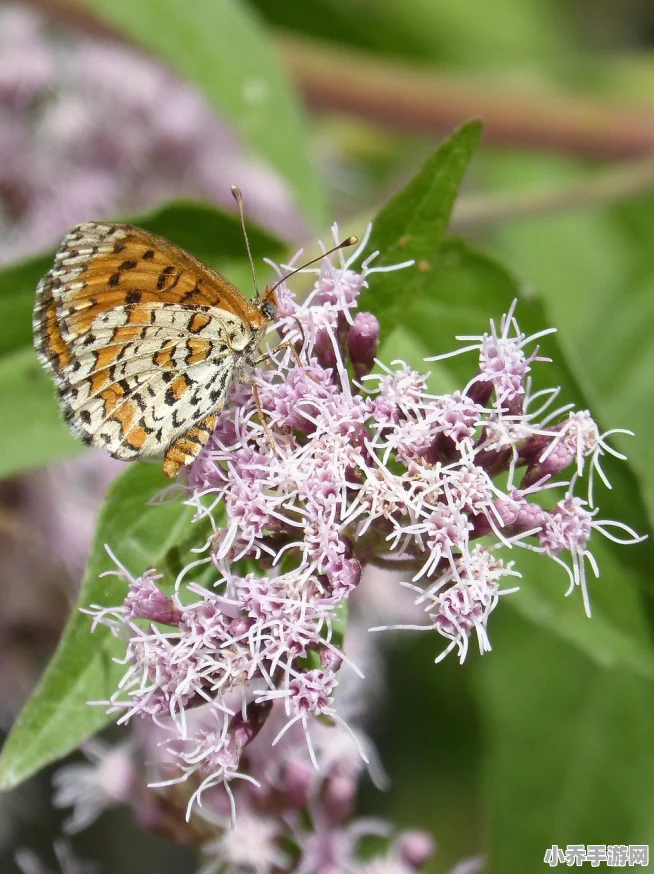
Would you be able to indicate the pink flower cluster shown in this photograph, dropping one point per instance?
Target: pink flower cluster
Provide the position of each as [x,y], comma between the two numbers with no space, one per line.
[335,465]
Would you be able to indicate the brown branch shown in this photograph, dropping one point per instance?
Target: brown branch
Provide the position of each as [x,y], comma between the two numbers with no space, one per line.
[431,102]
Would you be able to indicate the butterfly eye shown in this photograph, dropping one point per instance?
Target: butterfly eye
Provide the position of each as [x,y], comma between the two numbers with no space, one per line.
[268,309]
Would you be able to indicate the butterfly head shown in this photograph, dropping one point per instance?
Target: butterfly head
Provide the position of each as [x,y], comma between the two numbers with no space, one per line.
[267,304]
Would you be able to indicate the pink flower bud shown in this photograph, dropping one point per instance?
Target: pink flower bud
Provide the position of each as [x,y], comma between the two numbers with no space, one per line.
[543,462]
[480,391]
[330,660]
[146,601]
[415,848]
[363,343]
[297,782]
[244,730]
[339,797]
[323,347]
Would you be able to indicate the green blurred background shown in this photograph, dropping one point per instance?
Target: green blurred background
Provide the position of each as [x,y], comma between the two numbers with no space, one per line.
[320,111]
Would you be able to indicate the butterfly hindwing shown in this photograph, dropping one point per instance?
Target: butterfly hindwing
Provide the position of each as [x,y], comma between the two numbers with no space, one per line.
[138,392]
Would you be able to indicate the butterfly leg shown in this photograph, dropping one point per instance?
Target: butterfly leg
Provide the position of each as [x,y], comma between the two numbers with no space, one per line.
[285,345]
[262,417]
[186,447]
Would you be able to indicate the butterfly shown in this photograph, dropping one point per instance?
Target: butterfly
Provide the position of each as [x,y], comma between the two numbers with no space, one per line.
[144,341]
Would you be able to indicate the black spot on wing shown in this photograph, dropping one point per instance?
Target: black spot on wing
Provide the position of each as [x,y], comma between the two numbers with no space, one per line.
[164,276]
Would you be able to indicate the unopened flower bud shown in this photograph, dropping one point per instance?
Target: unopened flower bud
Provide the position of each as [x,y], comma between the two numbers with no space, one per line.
[146,601]
[323,347]
[339,797]
[543,462]
[494,461]
[415,848]
[480,391]
[344,575]
[363,343]
[297,782]
[517,514]
[244,730]
[330,659]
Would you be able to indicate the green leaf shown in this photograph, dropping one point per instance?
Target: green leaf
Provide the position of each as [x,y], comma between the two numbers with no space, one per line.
[412,226]
[569,757]
[214,236]
[463,290]
[57,717]
[34,433]
[616,635]
[27,397]
[220,46]
[17,287]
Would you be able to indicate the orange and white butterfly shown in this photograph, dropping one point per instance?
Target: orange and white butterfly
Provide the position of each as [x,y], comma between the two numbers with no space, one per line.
[144,341]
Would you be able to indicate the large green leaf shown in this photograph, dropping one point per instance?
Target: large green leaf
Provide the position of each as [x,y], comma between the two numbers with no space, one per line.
[220,46]
[569,757]
[412,225]
[210,234]
[37,435]
[57,717]
[463,289]
[34,433]
[17,286]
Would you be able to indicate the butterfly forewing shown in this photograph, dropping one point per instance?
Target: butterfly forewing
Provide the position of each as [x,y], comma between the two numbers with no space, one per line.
[143,340]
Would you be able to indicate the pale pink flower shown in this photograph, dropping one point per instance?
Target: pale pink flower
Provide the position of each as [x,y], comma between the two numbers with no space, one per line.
[106,780]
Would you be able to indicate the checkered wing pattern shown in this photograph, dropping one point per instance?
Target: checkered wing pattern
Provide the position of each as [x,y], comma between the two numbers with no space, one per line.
[142,341]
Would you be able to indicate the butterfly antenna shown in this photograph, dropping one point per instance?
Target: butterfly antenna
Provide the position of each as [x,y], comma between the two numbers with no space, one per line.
[350,241]
[238,197]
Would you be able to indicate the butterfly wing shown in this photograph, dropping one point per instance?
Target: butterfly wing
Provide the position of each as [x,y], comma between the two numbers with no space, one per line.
[142,339]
